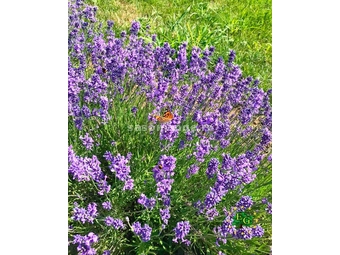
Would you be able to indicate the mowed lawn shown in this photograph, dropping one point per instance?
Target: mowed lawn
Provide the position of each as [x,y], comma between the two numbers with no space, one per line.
[242,25]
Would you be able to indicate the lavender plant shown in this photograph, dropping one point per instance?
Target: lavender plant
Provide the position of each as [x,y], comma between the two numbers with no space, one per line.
[138,186]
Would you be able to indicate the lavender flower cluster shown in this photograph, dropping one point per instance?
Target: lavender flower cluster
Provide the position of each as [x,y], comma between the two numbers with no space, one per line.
[85,215]
[146,202]
[143,232]
[226,112]
[162,174]
[119,166]
[182,229]
[85,242]
[166,78]
[227,229]
[86,169]
[269,205]
[116,223]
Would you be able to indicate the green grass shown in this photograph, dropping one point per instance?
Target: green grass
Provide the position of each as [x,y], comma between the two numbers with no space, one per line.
[241,25]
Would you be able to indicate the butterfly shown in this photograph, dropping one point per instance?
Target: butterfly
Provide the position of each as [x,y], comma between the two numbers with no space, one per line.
[167,116]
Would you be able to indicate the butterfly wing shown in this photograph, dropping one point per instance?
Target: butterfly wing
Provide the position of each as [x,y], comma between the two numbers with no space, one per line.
[167,116]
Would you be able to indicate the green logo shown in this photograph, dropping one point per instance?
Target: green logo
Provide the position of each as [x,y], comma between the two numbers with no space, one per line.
[242,219]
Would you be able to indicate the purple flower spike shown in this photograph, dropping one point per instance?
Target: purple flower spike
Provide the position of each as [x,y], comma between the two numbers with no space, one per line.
[165,215]
[85,215]
[134,28]
[244,203]
[181,230]
[244,233]
[107,205]
[269,208]
[146,202]
[143,232]
[129,184]
[193,169]
[212,168]
[258,231]
[85,242]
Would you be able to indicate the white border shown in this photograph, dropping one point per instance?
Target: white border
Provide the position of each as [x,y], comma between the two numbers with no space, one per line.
[305,127]
[33,127]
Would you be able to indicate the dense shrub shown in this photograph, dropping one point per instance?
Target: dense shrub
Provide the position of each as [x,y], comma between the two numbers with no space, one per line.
[139,186]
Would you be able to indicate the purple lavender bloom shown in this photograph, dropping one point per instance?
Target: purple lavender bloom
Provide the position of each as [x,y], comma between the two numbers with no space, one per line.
[202,149]
[244,203]
[222,130]
[129,184]
[181,230]
[211,213]
[264,200]
[118,224]
[227,162]
[168,163]
[213,198]
[87,141]
[104,103]
[181,145]
[165,215]
[269,208]
[108,156]
[79,214]
[188,135]
[146,202]
[92,212]
[106,252]
[86,112]
[107,205]
[169,132]
[244,233]
[110,23]
[199,206]
[258,231]
[129,156]
[224,143]
[164,186]
[165,168]
[154,36]
[134,110]
[83,215]
[71,155]
[108,221]
[212,168]
[135,26]
[84,243]
[83,169]
[166,200]
[246,131]
[227,228]
[270,157]
[232,56]
[103,186]
[193,169]
[266,137]
[143,232]
[119,165]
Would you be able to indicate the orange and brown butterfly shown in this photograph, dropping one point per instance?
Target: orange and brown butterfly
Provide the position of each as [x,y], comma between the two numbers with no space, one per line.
[167,116]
